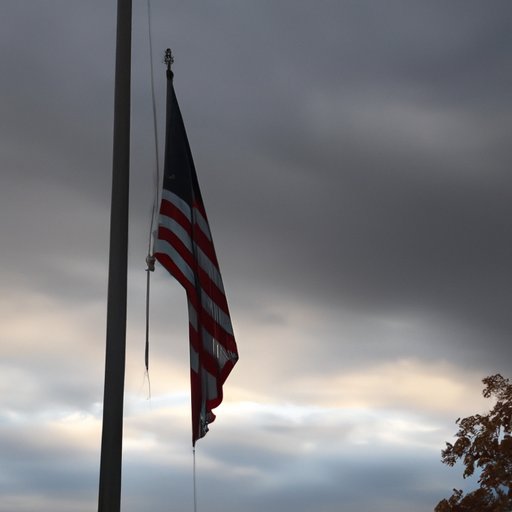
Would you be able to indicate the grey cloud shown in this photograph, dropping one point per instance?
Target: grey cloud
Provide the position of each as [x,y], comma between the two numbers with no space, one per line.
[354,162]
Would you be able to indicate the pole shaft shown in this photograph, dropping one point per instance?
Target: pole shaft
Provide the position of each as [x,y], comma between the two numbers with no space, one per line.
[112,434]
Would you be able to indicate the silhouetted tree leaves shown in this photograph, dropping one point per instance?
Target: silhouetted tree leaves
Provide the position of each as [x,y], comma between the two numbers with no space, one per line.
[484,443]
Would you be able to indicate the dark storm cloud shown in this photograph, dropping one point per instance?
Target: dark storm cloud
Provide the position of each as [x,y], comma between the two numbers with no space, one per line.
[304,125]
[54,139]
[58,94]
[378,172]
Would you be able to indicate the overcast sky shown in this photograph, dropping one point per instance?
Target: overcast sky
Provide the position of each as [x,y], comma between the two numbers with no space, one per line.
[354,159]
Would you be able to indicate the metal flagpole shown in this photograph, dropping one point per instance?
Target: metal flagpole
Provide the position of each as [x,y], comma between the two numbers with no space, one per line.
[112,434]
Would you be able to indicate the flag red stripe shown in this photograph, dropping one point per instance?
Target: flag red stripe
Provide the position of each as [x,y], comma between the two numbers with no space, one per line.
[170,210]
[211,326]
[200,207]
[205,281]
[221,378]
[206,359]
[213,292]
[205,245]
[195,399]
[169,236]
[174,270]
[217,332]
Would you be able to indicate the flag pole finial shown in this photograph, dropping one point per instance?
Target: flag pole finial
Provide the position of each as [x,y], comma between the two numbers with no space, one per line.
[169,61]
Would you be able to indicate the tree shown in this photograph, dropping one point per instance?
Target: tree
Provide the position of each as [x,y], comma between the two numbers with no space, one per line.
[484,443]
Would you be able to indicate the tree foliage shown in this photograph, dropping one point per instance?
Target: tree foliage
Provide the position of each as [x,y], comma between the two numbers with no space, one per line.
[484,444]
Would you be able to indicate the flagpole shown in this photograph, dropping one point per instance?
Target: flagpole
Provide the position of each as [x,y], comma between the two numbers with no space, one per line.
[112,435]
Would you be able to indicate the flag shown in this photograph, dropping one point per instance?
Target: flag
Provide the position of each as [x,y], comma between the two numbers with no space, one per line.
[184,246]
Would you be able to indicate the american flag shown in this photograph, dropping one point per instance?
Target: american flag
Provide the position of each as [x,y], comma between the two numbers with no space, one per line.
[184,246]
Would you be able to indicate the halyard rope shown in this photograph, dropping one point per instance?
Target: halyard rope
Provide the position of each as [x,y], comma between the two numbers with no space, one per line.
[150,259]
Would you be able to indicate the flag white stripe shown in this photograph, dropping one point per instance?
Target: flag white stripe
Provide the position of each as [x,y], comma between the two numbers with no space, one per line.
[183,206]
[208,266]
[208,342]
[194,359]
[210,384]
[216,313]
[192,316]
[224,322]
[178,202]
[177,229]
[202,223]
[204,261]
[165,247]
[215,349]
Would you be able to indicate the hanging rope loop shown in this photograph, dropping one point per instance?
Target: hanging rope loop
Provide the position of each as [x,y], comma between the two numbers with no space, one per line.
[150,262]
